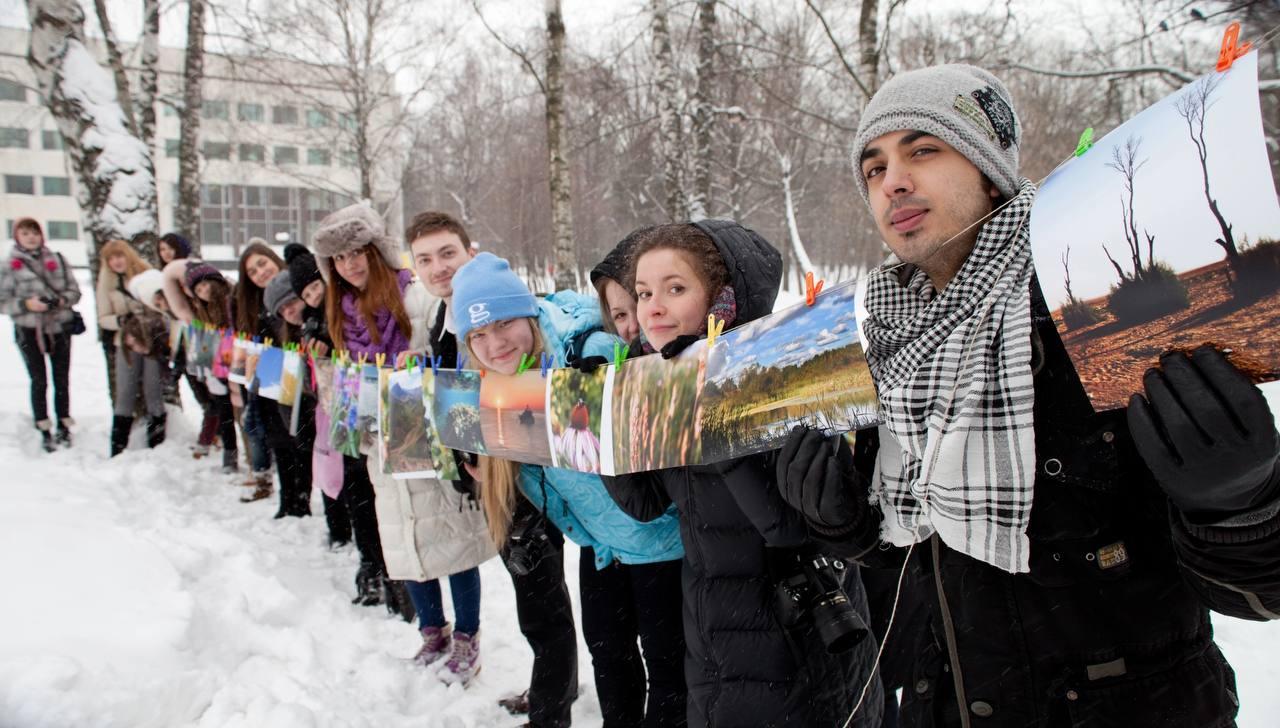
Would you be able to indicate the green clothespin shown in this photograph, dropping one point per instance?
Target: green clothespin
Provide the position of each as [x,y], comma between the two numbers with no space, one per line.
[1086,141]
[526,361]
[619,353]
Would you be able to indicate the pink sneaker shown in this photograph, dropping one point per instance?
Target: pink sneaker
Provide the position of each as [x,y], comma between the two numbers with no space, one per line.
[464,661]
[435,645]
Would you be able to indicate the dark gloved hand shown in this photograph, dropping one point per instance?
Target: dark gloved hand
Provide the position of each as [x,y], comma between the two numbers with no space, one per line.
[588,364]
[1206,433]
[677,345]
[816,476]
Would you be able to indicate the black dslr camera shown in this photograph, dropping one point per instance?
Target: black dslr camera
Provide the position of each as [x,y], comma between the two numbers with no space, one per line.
[814,588]
[526,544]
[51,301]
[312,328]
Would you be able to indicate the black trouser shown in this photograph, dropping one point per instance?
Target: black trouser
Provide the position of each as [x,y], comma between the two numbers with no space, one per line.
[293,462]
[546,621]
[221,404]
[620,603]
[58,348]
[337,518]
[357,496]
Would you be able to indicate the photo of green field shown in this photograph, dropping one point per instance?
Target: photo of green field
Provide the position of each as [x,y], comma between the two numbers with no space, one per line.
[655,412]
[801,366]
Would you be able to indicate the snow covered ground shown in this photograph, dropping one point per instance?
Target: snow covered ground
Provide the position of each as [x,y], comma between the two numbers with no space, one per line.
[139,592]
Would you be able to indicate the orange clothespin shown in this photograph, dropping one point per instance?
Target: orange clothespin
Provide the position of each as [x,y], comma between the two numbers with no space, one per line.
[1230,50]
[714,327]
[811,290]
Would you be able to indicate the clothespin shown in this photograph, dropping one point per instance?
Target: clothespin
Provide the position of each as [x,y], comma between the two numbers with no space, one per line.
[435,363]
[1085,143]
[362,359]
[619,353]
[526,361]
[411,363]
[267,341]
[1230,50]
[714,327]
[811,290]
[380,359]
[548,361]
[462,362]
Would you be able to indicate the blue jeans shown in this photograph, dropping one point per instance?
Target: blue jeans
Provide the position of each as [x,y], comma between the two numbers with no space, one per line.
[465,588]
[255,431]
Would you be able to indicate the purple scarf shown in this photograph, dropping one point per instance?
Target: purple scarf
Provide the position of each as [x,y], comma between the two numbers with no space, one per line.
[724,308]
[356,333]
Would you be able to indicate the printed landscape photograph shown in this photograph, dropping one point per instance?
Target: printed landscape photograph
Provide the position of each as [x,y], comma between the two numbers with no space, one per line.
[513,416]
[270,369]
[655,411]
[343,436]
[456,410]
[442,457]
[290,378]
[408,438]
[575,404]
[239,356]
[800,366]
[1166,235]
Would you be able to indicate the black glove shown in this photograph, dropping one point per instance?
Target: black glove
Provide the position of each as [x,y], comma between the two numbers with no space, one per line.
[588,364]
[1206,433]
[816,476]
[677,345]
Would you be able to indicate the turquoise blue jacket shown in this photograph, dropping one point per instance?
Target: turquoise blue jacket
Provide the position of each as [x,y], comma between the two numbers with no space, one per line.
[577,502]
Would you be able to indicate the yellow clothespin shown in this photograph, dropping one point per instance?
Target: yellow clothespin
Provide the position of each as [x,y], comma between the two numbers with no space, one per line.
[714,327]
[267,341]
[380,359]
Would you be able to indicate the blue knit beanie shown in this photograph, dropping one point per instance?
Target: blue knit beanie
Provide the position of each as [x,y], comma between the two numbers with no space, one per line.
[486,291]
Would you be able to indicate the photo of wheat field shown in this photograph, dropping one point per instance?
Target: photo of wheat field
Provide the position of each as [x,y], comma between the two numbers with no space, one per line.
[800,366]
[576,408]
[456,410]
[655,411]
[513,417]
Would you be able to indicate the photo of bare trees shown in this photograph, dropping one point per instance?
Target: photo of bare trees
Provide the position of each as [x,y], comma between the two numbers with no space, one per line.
[1165,235]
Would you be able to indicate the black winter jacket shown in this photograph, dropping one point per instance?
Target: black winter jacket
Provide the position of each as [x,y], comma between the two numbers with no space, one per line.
[742,667]
[1111,625]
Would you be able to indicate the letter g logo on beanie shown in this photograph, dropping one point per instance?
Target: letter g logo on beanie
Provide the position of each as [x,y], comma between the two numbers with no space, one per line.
[479,313]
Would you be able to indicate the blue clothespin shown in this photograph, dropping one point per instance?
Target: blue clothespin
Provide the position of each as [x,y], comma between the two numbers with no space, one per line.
[548,361]
[1085,143]
[462,361]
[435,364]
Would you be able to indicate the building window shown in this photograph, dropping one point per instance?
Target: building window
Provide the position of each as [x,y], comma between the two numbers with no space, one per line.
[51,139]
[317,119]
[217,150]
[250,112]
[348,158]
[216,110]
[211,233]
[63,230]
[286,155]
[169,109]
[171,148]
[14,138]
[59,186]
[19,184]
[252,153]
[279,196]
[12,91]
[347,121]
[284,115]
[318,157]
[211,194]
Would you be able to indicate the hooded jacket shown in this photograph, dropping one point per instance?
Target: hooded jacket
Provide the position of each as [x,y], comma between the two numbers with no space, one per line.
[576,502]
[743,667]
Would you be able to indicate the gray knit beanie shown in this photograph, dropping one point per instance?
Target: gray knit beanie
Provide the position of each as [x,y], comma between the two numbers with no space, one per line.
[964,106]
[351,228]
[279,292]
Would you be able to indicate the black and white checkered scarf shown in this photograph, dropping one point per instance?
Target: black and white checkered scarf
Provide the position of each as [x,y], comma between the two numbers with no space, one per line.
[953,372]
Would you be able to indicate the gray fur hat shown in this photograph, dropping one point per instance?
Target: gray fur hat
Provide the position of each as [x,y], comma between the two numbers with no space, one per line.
[964,106]
[350,228]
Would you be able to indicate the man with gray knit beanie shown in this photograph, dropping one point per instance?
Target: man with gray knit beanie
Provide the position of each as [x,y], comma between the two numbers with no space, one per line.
[1070,557]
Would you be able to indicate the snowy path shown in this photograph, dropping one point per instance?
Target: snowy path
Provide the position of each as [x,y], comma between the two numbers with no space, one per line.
[139,592]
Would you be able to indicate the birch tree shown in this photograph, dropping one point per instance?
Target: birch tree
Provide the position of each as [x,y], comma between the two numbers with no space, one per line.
[669,123]
[703,111]
[557,153]
[117,186]
[187,215]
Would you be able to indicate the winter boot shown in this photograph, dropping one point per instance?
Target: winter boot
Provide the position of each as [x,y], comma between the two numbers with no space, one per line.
[516,704]
[46,435]
[436,642]
[63,436]
[230,461]
[368,585]
[263,491]
[464,660]
[155,430]
[120,428]
[396,598]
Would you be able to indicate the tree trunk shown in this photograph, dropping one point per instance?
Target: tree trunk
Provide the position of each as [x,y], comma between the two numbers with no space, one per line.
[869,46]
[116,60]
[557,148]
[803,263]
[668,116]
[187,217]
[150,73]
[117,185]
[703,111]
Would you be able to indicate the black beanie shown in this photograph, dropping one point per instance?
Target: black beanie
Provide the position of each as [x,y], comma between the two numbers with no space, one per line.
[302,266]
[617,264]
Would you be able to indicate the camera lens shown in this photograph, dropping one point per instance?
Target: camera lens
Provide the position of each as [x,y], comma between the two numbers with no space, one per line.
[519,563]
[839,626]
